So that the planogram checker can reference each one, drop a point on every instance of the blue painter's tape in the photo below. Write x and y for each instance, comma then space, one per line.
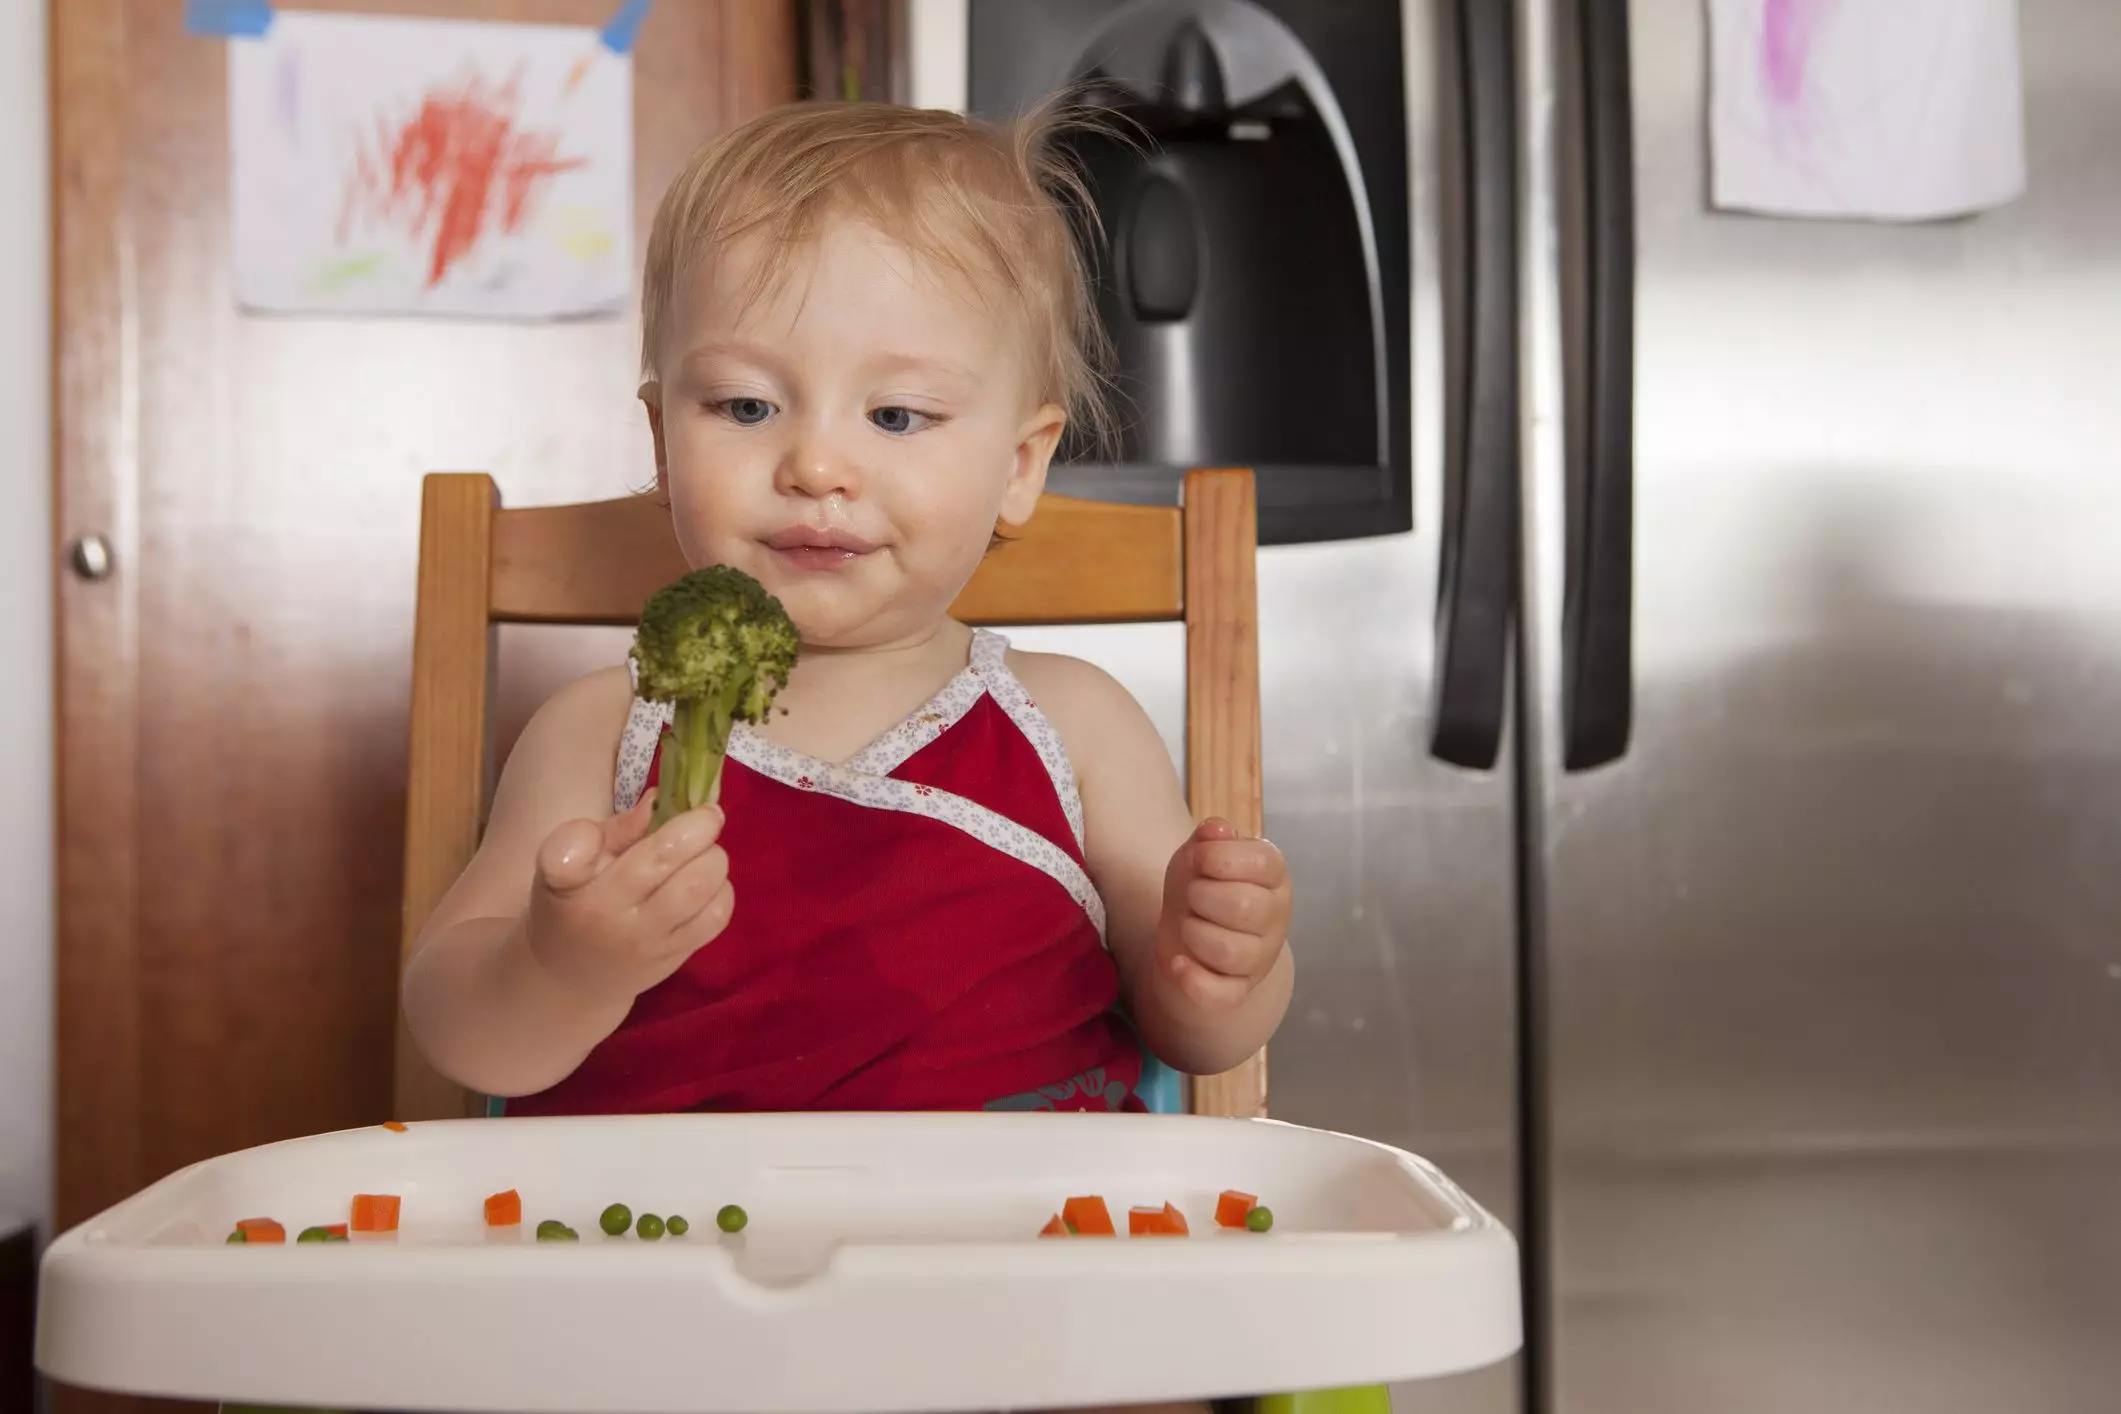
228, 19
621, 28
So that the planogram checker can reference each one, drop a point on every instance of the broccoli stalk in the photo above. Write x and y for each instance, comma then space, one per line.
693, 747
717, 647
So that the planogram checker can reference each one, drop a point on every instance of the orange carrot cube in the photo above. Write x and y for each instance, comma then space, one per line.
261, 1230
504, 1209
1056, 1228
1232, 1208
337, 1229
1166, 1221
1089, 1217
395, 1127
375, 1212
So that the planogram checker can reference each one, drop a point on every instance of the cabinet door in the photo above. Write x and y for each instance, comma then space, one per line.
233, 672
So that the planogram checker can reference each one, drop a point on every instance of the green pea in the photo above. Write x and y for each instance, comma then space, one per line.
1259, 1219
553, 1230
238, 1236
649, 1228
314, 1234
731, 1219
676, 1226
617, 1218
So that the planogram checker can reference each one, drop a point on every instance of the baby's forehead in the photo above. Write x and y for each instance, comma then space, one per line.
851, 281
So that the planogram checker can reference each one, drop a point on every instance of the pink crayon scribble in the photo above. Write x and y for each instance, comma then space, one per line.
450, 170
1787, 29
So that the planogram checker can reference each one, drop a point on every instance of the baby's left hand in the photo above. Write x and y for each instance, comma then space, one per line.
1226, 916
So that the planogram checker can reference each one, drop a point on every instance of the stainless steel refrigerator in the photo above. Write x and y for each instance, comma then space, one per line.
1787, 1030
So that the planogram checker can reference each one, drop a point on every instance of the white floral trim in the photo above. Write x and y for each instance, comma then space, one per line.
644, 728
997, 831
940, 713
990, 661
866, 779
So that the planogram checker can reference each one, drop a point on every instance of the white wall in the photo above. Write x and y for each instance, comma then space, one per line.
25, 620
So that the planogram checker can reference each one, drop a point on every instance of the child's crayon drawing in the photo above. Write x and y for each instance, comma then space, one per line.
389, 166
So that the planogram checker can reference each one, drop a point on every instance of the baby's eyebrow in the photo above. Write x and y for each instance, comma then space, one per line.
733, 349
932, 365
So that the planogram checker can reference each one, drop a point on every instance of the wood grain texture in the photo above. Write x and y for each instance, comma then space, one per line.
1074, 562
232, 701
449, 764
95, 471
1222, 702
1082, 562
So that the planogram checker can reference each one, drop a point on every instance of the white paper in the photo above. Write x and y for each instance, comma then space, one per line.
1887, 110
412, 166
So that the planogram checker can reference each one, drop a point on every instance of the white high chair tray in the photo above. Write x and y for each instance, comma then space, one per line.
891, 1263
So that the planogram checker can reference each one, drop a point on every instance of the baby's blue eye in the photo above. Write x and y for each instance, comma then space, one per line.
897, 421
748, 412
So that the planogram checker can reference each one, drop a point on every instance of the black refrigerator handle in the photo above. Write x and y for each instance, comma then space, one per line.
1476, 596
1597, 654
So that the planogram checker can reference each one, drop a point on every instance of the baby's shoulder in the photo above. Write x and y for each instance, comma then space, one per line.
584, 719
1065, 686
1089, 707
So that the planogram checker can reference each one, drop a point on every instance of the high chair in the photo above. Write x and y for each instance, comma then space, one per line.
596, 563
1074, 562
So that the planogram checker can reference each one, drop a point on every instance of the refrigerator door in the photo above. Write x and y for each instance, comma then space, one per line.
1827, 966
1404, 1027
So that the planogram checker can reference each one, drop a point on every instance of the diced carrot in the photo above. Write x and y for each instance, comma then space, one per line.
375, 1212
395, 1127
1231, 1208
1166, 1221
504, 1209
1089, 1217
337, 1229
261, 1230
1056, 1228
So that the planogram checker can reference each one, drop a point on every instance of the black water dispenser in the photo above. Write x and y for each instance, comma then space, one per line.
1253, 267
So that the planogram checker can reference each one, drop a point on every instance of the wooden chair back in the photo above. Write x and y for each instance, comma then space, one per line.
1074, 562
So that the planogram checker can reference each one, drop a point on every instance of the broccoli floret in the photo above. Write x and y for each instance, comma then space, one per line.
719, 647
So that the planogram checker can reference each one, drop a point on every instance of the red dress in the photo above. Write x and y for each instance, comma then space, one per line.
914, 930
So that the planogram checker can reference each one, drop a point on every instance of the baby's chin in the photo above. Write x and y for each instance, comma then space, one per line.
838, 633
828, 623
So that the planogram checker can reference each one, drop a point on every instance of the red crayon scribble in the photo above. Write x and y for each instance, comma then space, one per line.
451, 169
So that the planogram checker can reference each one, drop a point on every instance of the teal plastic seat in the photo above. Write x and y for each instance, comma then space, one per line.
1162, 1089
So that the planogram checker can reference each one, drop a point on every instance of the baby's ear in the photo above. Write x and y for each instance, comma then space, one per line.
1035, 442
651, 396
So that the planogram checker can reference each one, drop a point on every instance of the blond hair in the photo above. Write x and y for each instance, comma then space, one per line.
1000, 207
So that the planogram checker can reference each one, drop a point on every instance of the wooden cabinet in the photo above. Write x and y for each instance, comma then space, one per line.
232, 693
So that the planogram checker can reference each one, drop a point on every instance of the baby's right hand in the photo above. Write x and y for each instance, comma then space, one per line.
614, 910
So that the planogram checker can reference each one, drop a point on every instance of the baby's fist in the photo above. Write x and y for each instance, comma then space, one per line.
1226, 915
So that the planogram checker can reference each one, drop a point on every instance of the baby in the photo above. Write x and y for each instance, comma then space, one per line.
950, 875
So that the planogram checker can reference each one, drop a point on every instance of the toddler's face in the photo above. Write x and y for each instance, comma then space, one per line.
850, 438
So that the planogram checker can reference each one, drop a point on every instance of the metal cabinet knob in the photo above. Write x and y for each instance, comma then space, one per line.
91, 557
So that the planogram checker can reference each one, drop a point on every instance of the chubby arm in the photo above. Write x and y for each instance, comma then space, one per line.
565, 914
1197, 917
